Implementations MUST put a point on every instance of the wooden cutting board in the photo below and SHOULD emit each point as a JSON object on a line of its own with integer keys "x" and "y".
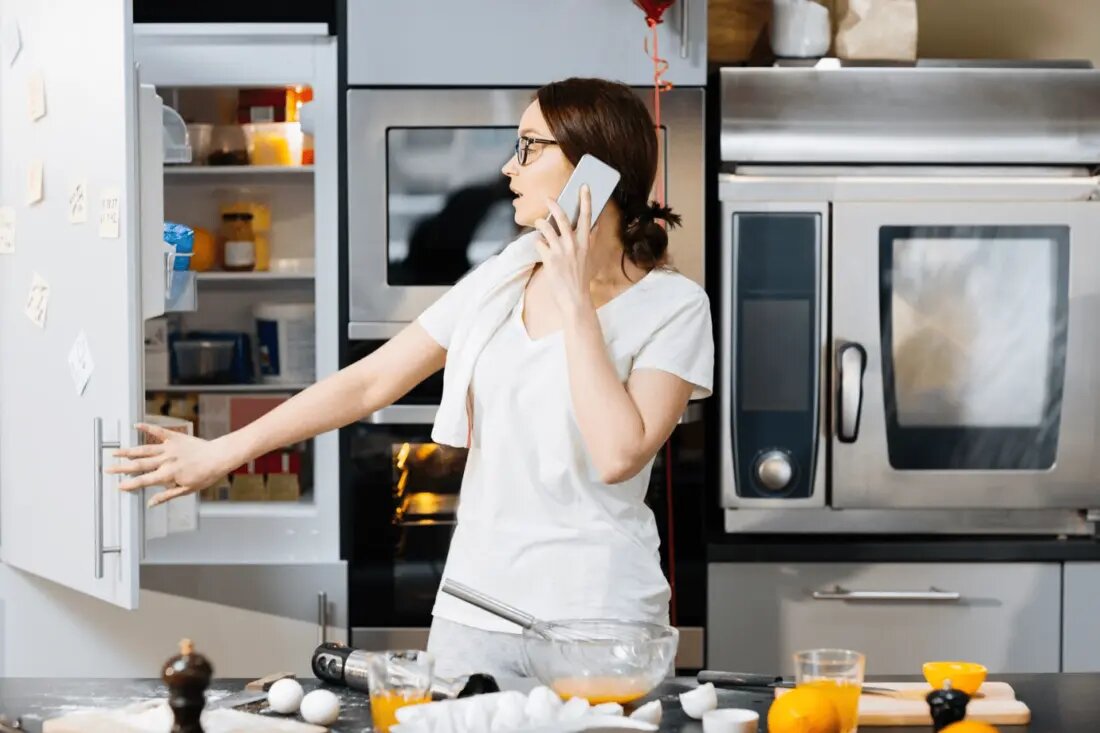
{"x": 995, "y": 703}
{"x": 156, "y": 717}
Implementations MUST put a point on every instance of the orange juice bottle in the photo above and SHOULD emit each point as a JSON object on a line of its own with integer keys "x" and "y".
{"x": 844, "y": 695}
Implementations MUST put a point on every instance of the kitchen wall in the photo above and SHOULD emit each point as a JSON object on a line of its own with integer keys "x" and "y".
{"x": 1027, "y": 29}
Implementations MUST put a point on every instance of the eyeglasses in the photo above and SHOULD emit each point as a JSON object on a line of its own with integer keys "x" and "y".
{"x": 523, "y": 146}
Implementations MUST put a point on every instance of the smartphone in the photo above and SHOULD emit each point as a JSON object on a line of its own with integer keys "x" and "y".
{"x": 601, "y": 179}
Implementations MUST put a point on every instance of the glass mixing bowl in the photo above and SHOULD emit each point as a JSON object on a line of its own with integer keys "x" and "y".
{"x": 601, "y": 660}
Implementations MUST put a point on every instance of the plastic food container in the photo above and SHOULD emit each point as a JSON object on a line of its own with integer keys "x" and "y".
{"x": 203, "y": 361}
{"x": 285, "y": 335}
{"x": 274, "y": 143}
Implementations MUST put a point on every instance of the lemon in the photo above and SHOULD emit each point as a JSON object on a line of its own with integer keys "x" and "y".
{"x": 804, "y": 710}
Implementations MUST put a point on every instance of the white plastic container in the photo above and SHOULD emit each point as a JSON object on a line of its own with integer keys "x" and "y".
{"x": 286, "y": 342}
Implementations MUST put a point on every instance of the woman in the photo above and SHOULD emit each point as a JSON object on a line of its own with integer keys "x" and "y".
{"x": 569, "y": 359}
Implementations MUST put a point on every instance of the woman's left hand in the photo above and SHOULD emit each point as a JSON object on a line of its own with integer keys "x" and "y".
{"x": 565, "y": 255}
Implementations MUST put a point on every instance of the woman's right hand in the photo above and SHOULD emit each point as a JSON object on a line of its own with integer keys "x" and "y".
{"x": 183, "y": 464}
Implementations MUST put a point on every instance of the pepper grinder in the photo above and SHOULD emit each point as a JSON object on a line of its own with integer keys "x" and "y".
{"x": 187, "y": 676}
{"x": 946, "y": 705}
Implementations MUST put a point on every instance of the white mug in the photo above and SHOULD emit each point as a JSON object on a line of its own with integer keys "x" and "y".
{"x": 731, "y": 720}
{"x": 800, "y": 29}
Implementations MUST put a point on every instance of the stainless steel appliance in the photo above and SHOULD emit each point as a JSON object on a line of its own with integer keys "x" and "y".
{"x": 910, "y": 309}
{"x": 427, "y": 201}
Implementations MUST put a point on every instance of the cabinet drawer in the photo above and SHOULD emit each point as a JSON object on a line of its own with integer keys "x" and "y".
{"x": 1006, "y": 616}
{"x": 1081, "y": 637}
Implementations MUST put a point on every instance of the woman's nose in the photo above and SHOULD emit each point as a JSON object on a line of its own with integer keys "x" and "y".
{"x": 510, "y": 168}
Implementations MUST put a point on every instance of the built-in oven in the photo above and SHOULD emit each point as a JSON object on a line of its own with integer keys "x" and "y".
{"x": 915, "y": 344}
{"x": 427, "y": 200}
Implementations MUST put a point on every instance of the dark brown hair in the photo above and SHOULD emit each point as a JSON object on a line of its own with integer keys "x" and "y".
{"x": 608, "y": 120}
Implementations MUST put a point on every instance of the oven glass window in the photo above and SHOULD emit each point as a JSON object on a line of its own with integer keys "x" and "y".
{"x": 448, "y": 205}
{"x": 973, "y": 325}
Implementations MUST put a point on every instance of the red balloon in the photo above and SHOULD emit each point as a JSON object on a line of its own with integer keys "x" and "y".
{"x": 654, "y": 9}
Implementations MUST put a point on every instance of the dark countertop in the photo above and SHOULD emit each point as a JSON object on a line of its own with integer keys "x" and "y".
{"x": 863, "y": 548}
{"x": 1060, "y": 703}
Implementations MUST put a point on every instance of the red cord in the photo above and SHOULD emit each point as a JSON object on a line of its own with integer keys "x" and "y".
{"x": 660, "y": 66}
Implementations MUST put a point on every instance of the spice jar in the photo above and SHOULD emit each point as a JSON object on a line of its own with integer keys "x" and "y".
{"x": 239, "y": 250}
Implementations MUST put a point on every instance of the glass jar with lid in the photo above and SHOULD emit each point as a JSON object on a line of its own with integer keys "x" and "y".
{"x": 239, "y": 250}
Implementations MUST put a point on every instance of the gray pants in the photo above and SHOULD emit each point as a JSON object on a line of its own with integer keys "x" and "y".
{"x": 461, "y": 650}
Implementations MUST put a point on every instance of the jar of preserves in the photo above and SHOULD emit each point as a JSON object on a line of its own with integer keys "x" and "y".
{"x": 239, "y": 248}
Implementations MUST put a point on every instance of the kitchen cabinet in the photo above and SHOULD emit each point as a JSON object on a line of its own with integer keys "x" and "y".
{"x": 519, "y": 42}
{"x": 61, "y": 518}
{"x": 1006, "y": 616}
{"x": 1080, "y": 622}
{"x": 48, "y": 630}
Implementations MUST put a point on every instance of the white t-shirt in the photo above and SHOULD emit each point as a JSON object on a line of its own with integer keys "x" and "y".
{"x": 537, "y": 528}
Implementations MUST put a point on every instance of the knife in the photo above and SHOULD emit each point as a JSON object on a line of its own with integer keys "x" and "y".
{"x": 739, "y": 680}
{"x": 254, "y": 691}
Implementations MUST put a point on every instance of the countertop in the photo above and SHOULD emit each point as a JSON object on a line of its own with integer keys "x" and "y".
{"x": 1060, "y": 703}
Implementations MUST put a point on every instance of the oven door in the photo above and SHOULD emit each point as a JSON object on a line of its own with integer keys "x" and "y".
{"x": 966, "y": 354}
{"x": 427, "y": 201}
{"x": 399, "y": 517}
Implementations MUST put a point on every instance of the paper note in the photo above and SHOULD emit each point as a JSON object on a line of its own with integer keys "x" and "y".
{"x": 38, "y": 301}
{"x": 12, "y": 41}
{"x": 34, "y": 182}
{"x": 80, "y": 363}
{"x": 7, "y": 230}
{"x": 78, "y": 203}
{"x": 109, "y": 213}
{"x": 36, "y": 89}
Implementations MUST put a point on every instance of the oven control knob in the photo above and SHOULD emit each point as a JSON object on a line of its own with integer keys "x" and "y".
{"x": 774, "y": 470}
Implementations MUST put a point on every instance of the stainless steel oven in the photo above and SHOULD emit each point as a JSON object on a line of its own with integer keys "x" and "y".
{"x": 427, "y": 201}
{"x": 910, "y": 310}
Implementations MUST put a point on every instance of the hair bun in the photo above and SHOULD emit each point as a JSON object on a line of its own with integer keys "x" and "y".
{"x": 654, "y": 211}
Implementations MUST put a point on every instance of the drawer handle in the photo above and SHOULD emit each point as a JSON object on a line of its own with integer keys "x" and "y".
{"x": 842, "y": 594}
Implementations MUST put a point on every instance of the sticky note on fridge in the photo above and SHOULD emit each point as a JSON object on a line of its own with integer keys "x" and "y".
{"x": 81, "y": 365}
{"x": 38, "y": 301}
{"x": 12, "y": 41}
{"x": 78, "y": 203}
{"x": 109, "y": 205}
{"x": 36, "y": 88}
{"x": 7, "y": 230}
{"x": 34, "y": 182}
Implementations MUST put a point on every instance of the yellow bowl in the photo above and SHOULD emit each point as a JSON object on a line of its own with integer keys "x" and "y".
{"x": 965, "y": 676}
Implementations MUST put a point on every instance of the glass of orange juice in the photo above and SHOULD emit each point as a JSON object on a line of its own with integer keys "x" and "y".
{"x": 839, "y": 674}
{"x": 397, "y": 678}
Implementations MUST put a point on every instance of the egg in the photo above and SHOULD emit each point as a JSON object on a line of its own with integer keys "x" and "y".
{"x": 574, "y": 709}
{"x": 648, "y": 713}
{"x": 542, "y": 705}
{"x": 607, "y": 708}
{"x": 285, "y": 696}
{"x": 700, "y": 700}
{"x": 320, "y": 707}
{"x": 509, "y": 714}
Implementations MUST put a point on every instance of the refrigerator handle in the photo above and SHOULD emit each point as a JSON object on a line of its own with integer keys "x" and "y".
{"x": 851, "y": 363}
{"x": 683, "y": 29}
{"x": 97, "y": 498}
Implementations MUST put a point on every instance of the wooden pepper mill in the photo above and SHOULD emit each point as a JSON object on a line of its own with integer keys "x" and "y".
{"x": 187, "y": 676}
{"x": 946, "y": 705}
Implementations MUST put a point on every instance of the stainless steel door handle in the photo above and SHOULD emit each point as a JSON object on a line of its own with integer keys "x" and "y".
{"x": 683, "y": 29}
{"x": 322, "y": 616}
{"x": 852, "y": 361}
{"x": 842, "y": 594}
{"x": 402, "y": 415}
{"x": 97, "y": 497}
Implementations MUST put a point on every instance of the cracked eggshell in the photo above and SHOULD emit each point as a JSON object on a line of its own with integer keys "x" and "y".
{"x": 700, "y": 700}
{"x": 648, "y": 713}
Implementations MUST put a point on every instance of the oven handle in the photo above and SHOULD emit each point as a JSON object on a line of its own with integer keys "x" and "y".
{"x": 841, "y": 594}
{"x": 402, "y": 415}
{"x": 851, "y": 363}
